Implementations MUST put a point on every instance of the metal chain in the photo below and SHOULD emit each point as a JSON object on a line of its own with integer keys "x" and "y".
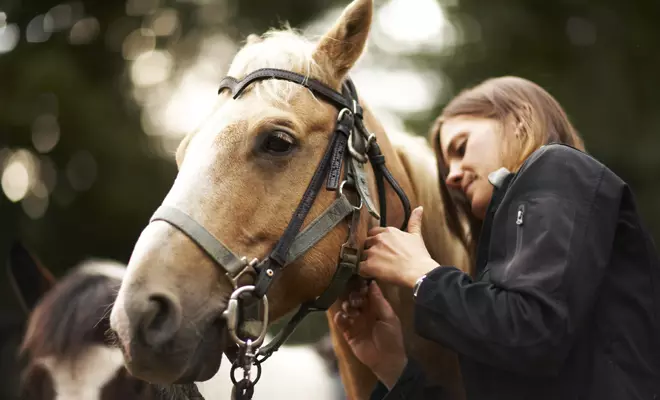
{"x": 244, "y": 389}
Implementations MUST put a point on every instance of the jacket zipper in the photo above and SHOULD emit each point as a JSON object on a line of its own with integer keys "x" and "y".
{"x": 520, "y": 220}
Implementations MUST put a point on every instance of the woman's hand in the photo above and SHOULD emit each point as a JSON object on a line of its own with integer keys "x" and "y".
{"x": 373, "y": 331}
{"x": 396, "y": 256}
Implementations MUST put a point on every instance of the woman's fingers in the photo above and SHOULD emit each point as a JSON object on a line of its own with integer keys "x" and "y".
{"x": 364, "y": 289}
{"x": 348, "y": 310}
{"x": 376, "y": 230}
{"x": 370, "y": 242}
{"x": 344, "y": 322}
{"x": 379, "y": 304}
{"x": 356, "y": 299}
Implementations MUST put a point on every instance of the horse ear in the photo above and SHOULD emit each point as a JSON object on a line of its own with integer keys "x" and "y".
{"x": 28, "y": 278}
{"x": 343, "y": 44}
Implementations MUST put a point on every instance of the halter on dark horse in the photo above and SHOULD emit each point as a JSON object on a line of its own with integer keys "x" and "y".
{"x": 349, "y": 134}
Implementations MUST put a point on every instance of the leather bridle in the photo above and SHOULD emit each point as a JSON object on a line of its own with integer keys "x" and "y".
{"x": 351, "y": 146}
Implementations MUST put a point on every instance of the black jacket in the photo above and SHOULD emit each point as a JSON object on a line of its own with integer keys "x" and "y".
{"x": 567, "y": 300}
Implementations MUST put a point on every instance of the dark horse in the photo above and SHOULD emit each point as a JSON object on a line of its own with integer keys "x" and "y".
{"x": 66, "y": 351}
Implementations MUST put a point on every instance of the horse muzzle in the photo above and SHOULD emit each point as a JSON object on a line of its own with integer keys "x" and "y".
{"x": 159, "y": 347}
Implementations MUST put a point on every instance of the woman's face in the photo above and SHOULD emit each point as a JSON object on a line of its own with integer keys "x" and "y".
{"x": 471, "y": 147}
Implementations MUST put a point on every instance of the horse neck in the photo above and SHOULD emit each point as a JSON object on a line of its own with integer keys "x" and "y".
{"x": 412, "y": 164}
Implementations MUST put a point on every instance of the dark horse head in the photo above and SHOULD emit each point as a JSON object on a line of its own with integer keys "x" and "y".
{"x": 66, "y": 349}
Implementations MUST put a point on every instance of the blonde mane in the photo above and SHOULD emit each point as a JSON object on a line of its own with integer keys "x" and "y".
{"x": 283, "y": 49}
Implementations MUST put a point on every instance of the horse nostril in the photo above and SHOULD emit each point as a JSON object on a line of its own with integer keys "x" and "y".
{"x": 161, "y": 320}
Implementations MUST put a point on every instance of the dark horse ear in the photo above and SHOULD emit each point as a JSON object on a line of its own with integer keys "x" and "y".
{"x": 28, "y": 278}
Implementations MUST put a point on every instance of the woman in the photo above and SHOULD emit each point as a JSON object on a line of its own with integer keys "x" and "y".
{"x": 565, "y": 299}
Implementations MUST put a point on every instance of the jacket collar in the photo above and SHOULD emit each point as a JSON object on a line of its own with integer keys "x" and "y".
{"x": 500, "y": 179}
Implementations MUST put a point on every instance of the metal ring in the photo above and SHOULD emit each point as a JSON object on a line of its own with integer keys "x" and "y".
{"x": 341, "y": 193}
{"x": 361, "y": 158}
{"x": 234, "y": 367}
{"x": 231, "y": 316}
{"x": 342, "y": 112}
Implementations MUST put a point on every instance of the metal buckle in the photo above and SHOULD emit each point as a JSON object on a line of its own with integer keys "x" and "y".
{"x": 246, "y": 268}
{"x": 370, "y": 140}
{"x": 351, "y": 184}
{"x": 342, "y": 112}
{"x": 231, "y": 316}
{"x": 349, "y": 253}
{"x": 361, "y": 158}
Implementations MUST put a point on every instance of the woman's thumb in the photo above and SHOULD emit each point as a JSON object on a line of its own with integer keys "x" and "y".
{"x": 415, "y": 221}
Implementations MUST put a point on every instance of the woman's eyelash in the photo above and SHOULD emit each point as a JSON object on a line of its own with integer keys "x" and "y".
{"x": 461, "y": 148}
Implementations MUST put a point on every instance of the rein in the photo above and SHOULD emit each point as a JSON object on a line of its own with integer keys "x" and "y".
{"x": 351, "y": 146}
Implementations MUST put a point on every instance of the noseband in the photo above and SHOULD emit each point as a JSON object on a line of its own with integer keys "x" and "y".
{"x": 351, "y": 147}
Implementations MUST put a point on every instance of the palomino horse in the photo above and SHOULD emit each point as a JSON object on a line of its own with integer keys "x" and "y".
{"x": 247, "y": 180}
{"x": 71, "y": 357}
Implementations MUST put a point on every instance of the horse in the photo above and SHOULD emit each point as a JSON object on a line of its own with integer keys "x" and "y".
{"x": 68, "y": 353}
{"x": 71, "y": 353}
{"x": 250, "y": 182}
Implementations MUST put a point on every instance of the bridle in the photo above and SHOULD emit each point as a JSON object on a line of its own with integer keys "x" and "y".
{"x": 351, "y": 147}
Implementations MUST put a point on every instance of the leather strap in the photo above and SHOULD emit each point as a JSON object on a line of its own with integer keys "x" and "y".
{"x": 237, "y": 87}
{"x": 203, "y": 238}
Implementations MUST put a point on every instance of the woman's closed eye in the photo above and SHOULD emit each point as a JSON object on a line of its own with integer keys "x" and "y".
{"x": 460, "y": 149}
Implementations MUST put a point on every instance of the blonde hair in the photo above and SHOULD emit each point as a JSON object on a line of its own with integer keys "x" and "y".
{"x": 529, "y": 117}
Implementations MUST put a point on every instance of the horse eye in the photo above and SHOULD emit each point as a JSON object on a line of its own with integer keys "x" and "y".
{"x": 278, "y": 143}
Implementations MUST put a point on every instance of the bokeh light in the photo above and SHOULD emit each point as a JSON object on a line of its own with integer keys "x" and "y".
{"x": 151, "y": 68}
{"x": 84, "y": 31}
{"x": 139, "y": 41}
{"x": 39, "y": 29}
{"x": 9, "y": 36}
{"x": 18, "y": 174}
{"x": 45, "y": 133}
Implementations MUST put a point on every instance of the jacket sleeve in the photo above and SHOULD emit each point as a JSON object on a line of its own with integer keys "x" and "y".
{"x": 542, "y": 273}
{"x": 411, "y": 385}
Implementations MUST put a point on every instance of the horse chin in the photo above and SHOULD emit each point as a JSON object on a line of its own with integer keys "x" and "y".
{"x": 232, "y": 353}
{"x": 205, "y": 361}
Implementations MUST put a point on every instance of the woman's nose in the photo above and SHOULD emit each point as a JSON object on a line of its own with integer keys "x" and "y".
{"x": 454, "y": 178}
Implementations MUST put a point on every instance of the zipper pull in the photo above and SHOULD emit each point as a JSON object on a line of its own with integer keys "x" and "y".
{"x": 521, "y": 212}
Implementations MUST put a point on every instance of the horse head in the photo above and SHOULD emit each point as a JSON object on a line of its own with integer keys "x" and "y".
{"x": 66, "y": 346}
{"x": 243, "y": 177}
